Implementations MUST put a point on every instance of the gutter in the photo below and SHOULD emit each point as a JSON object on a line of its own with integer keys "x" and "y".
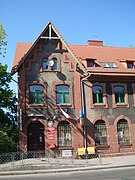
{"x": 84, "y": 109}
{"x": 112, "y": 72}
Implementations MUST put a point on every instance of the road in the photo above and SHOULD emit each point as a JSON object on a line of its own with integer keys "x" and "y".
{"x": 110, "y": 174}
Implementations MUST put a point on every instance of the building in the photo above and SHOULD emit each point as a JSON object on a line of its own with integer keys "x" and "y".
{"x": 73, "y": 96}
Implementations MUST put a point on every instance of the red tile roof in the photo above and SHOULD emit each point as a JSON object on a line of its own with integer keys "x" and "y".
{"x": 83, "y": 52}
{"x": 21, "y": 50}
{"x": 103, "y": 53}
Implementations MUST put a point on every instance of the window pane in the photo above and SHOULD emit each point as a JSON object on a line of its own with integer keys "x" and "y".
{"x": 100, "y": 98}
{"x": 62, "y": 88}
{"x": 54, "y": 67}
{"x": 58, "y": 98}
{"x": 100, "y": 133}
{"x": 45, "y": 64}
{"x": 112, "y": 65}
{"x": 36, "y": 94}
{"x": 109, "y": 65}
{"x": 130, "y": 65}
{"x": 66, "y": 98}
{"x": 90, "y": 63}
{"x": 118, "y": 89}
{"x": 117, "y": 98}
{"x": 94, "y": 98}
{"x": 105, "y": 64}
{"x": 122, "y": 98}
{"x": 64, "y": 134}
{"x": 40, "y": 98}
{"x": 32, "y": 98}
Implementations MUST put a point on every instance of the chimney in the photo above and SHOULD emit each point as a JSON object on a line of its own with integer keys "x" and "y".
{"x": 94, "y": 43}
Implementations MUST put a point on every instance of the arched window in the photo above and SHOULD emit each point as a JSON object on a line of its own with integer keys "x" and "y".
{"x": 119, "y": 94}
{"x": 64, "y": 134}
{"x": 62, "y": 94}
{"x": 97, "y": 92}
{"x": 36, "y": 94}
{"x": 100, "y": 133}
{"x": 49, "y": 64}
{"x": 123, "y": 132}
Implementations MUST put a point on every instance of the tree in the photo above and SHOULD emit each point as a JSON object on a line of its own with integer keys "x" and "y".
{"x": 3, "y": 43}
{"x": 8, "y": 133}
{"x": 8, "y": 107}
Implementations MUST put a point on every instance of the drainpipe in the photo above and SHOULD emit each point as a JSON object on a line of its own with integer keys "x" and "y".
{"x": 84, "y": 109}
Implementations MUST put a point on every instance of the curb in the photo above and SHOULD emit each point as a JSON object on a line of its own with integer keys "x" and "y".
{"x": 62, "y": 170}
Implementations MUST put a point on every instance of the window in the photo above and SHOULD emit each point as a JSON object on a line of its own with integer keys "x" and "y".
{"x": 36, "y": 94}
{"x": 123, "y": 132}
{"x": 97, "y": 92}
{"x": 119, "y": 94}
{"x": 130, "y": 64}
{"x": 90, "y": 63}
{"x": 98, "y": 95}
{"x": 62, "y": 94}
{"x": 100, "y": 133}
{"x": 109, "y": 65}
{"x": 49, "y": 64}
{"x": 64, "y": 134}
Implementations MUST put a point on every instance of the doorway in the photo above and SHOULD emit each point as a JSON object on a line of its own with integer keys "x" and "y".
{"x": 35, "y": 137}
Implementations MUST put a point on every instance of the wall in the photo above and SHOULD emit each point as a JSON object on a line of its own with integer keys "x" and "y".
{"x": 31, "y": 73}
{"x": 110, "y": 115}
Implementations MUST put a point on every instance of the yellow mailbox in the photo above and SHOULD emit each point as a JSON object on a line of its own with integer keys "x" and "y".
{"x": 81, "y": 151}
{"x": 91, "y": 150}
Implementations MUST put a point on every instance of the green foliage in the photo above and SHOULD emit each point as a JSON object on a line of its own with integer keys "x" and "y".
{"x": 6, "y": 94}
{"x": 3, "y": 43}
{"x": 8, "y": 106}
{"x": 8, "y": 134}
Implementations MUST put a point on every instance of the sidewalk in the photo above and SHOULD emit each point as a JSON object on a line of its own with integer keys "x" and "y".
{"x": 108, "y": 162}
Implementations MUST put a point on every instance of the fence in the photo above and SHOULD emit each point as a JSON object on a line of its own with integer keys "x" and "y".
{"x": 44, "y": 159}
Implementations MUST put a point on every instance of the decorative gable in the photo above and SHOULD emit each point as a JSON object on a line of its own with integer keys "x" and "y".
{"x": 49, "y": 34}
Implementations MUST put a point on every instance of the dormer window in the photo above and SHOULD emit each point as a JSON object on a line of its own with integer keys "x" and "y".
{"x": 109, "y": 65}
{"x": 130, "y": 64}
{"x": 90, "y": 63}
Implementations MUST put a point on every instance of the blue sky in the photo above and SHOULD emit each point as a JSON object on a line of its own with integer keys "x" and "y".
{"x": 112, "y": 21}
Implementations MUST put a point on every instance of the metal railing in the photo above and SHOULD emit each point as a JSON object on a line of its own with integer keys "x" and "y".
{"x": 43, "y": 160}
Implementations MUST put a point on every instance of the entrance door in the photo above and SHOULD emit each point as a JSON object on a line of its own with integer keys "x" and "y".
{"x": 35, "y": 137}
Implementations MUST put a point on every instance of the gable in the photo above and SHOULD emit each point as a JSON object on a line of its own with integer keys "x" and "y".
{"x": 49, "y": 33}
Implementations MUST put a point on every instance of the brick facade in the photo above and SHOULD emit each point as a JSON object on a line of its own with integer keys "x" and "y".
{"x": 72, "y": 67}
